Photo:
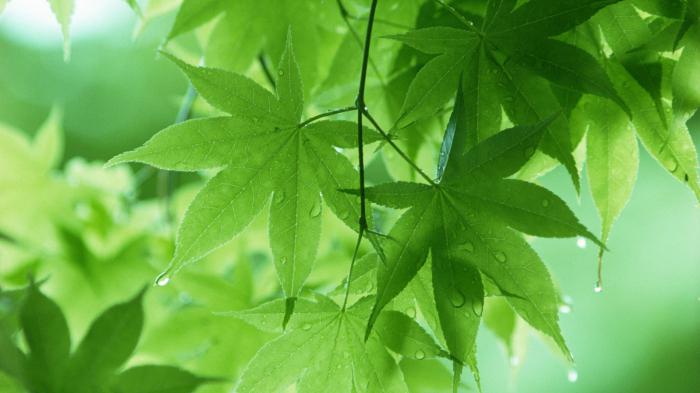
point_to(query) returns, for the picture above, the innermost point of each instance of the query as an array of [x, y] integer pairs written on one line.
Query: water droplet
[[508, 99], [283, 260], [671, 164], [500, 256], [279, 197], [457, 298], [344, 215], [598, 288], [478, 307], [315, 209], [411, 312], [468, 247], [420, 355], [280, 72], [581, 243], [565, 309], [514, 361], [545, 202], [572, 376], [306, 326], [529, 151], [162, 280]]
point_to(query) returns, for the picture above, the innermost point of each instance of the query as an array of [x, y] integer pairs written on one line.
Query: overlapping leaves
[[50, 366], [264, 149]]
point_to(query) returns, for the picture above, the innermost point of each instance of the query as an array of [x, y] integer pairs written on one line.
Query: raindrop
[[545, 202], [581, 243], [468, 247], [565, 309], [671, 164], [598, 288], [500, 256], [283, 260], [279, 197], [478, 307], [280, 72], [162, 280], [457, 298], [572, 376], [420, 355], [315, 209], [306, 326], [344, 215], [509, 99], [411, 312], [514, 361], [529, 151]]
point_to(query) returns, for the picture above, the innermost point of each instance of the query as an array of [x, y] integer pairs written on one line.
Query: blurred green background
[[640, 334]]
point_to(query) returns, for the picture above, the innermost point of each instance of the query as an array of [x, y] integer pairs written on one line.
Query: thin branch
[[326, 114], [266, 70], [346, 15], [403, 155], [360, 106], [166, 179]]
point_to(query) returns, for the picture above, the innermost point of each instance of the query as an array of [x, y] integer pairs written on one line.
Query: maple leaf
[[323, 346], [467, 222], [264, 149], [503, 63], [94, 366]]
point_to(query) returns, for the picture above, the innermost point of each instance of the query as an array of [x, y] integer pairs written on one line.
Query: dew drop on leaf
[[315, 209], [598, 288], [420, 355], [457, 298], [671, 164], [163, 280], [280, 72], [529, 151], [581, 243], [279, 197], [468, 247], [283, 260], [572, 376], [565, 309], [411, 312], [545, 202], [478, 307], [306, 326], [500, 256]]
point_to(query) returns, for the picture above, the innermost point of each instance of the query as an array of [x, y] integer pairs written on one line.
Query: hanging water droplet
[[572, 375], [565, 309], [478, 307], [468, 246], [279, 197], [283, 260], [598, 288], [457, 298], [581, 242], [514, 361], [420, 355], [500, 256], [315, 209], [162, 280], [306, 326], [545, 202], [671, 164], [411, 312]]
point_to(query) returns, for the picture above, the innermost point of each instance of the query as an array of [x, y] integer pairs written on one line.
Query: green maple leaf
[[468, 222], [503, 63], [95, 365], [323, 346], [264, 149]]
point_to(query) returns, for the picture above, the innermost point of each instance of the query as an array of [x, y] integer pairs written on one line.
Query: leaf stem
[[326, 114], [397, 148], [352, 267], [266, 70], [346, 15]]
